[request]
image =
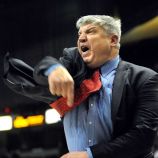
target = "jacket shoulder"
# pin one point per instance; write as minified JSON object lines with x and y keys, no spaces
{"x":137,"y":69}
{"x":137,"y":74}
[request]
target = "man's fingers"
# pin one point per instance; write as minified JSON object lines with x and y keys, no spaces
{"x":70,"y":94}
{"x":64,"y":87}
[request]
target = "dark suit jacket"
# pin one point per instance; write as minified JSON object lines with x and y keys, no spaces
{"x":134,"y":113}
{"x":134,"y":105}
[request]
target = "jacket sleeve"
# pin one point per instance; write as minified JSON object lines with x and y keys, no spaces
{"x":32,"y":83}
{"x":66,"y":60}
{"x":139,"y":139}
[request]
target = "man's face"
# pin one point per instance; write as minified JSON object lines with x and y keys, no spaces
{"x":94,"y":45}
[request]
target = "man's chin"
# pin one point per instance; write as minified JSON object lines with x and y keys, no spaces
{"x":91,"y":65}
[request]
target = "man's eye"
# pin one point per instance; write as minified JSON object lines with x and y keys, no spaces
{"x":91,"y":31}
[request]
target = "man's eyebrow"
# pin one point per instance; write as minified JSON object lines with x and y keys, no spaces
{"x":91,"y":28}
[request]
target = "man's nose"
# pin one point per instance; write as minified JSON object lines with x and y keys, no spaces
{"x":82,"y":38}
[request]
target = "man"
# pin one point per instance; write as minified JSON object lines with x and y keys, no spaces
{"x":121,"y":119}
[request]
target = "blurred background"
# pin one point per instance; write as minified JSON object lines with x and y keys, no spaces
{"x":32,"y":29}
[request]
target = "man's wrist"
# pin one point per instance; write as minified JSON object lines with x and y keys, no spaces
{"x":51,"y":68}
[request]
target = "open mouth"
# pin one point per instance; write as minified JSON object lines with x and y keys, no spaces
{"x":84,"y":49}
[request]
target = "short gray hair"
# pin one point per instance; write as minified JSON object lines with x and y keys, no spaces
{"x":109,"y":24}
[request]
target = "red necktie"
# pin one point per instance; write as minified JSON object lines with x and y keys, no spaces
{"x":87,"y":87}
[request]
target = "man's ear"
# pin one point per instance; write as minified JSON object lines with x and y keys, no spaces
{"x":114,"y":40}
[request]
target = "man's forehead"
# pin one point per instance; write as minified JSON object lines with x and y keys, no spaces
{"x":88,"y":26}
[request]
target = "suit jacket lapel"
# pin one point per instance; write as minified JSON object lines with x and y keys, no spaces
{"x":119,"y":80}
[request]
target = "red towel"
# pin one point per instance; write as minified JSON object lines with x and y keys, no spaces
{"x":87,"y":87}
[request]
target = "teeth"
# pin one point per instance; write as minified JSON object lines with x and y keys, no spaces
{"x":84,"y":49}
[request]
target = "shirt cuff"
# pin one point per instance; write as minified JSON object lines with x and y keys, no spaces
{"x":51,"y":68}
{"x":89,"y":153}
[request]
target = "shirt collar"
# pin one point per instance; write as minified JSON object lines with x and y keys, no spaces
{"x":109,"y":66}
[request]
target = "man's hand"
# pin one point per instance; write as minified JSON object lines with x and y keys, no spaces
{"x":81,"y":154}
{"x":62,"y":84}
